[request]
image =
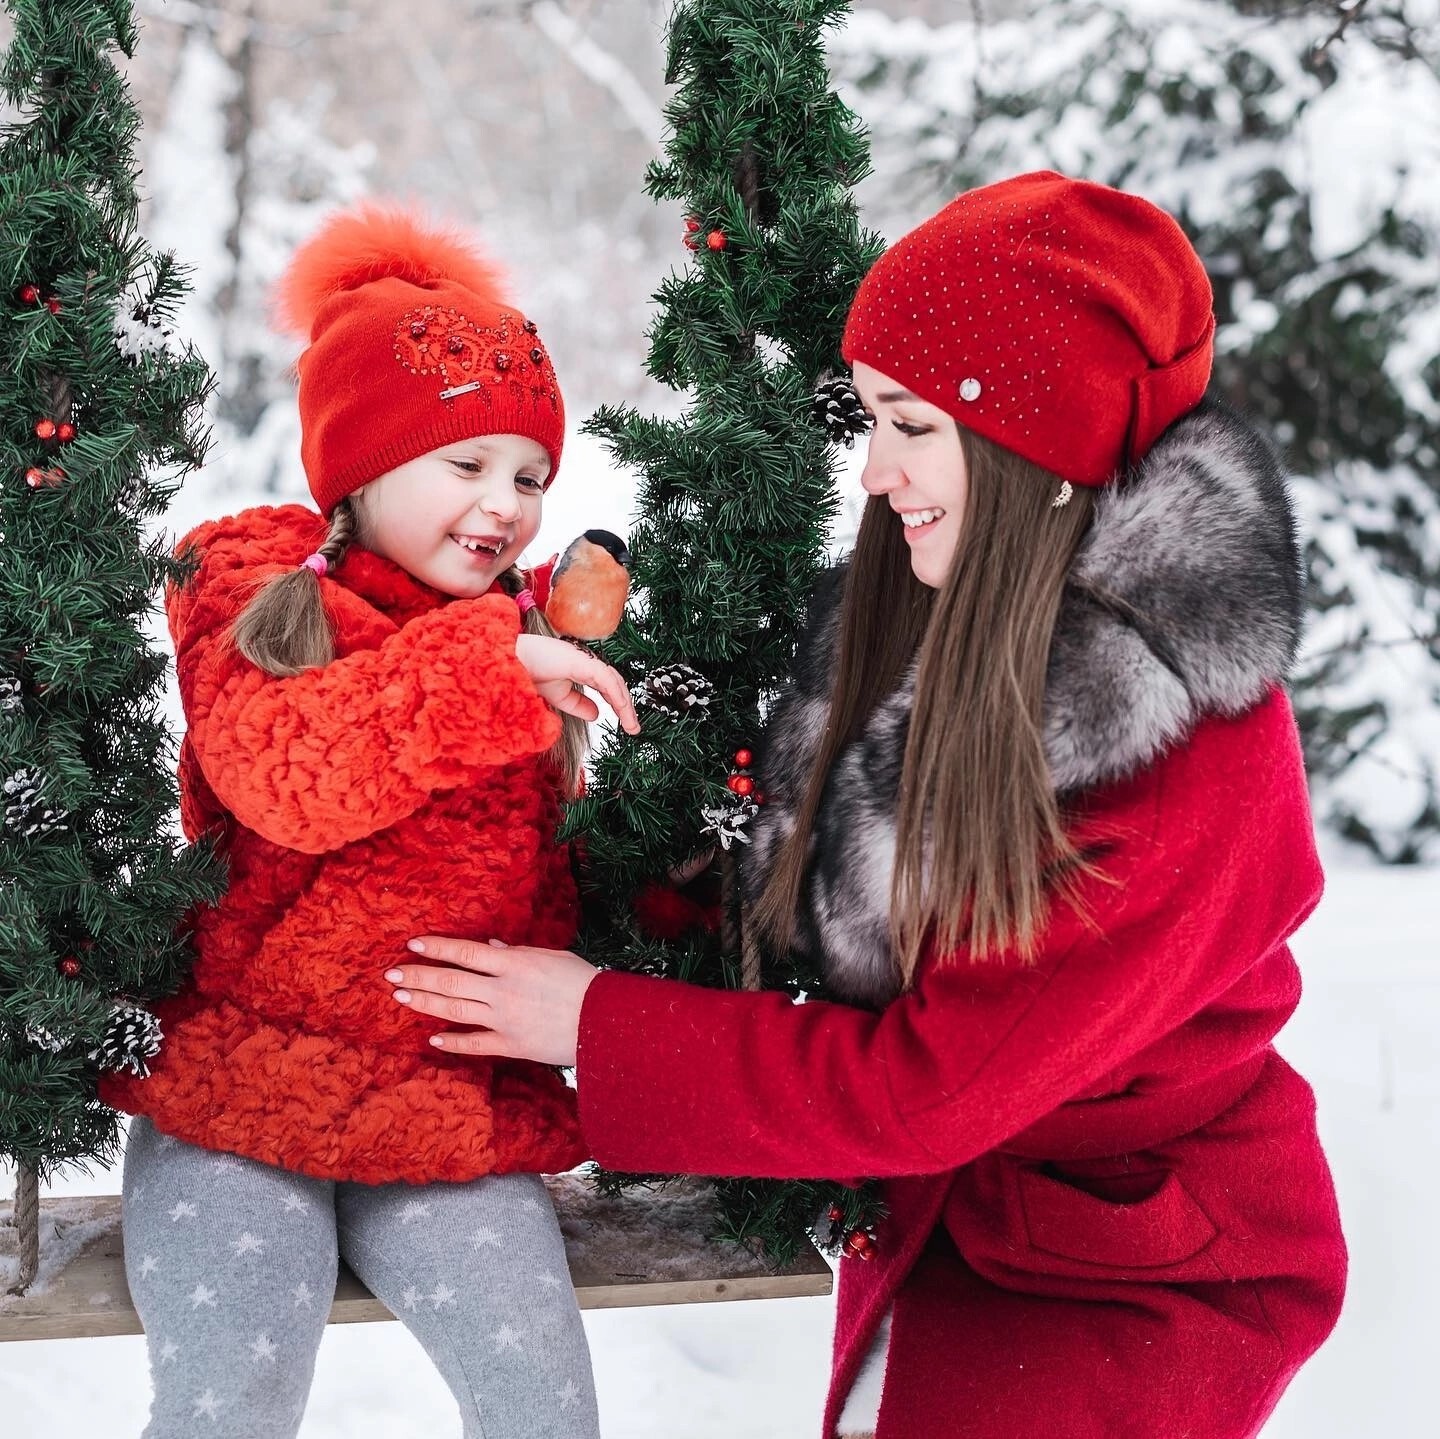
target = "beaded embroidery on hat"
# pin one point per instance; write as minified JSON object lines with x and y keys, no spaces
{"x":440,"y":340}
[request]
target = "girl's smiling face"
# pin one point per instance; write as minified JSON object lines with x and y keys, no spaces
{"x":916,"y":463}
{"x":458,"y":517}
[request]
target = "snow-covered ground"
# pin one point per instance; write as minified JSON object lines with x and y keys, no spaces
{"x":1365,"y":1035}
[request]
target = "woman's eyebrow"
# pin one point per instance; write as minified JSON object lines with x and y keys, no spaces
{"x":892,"y":397}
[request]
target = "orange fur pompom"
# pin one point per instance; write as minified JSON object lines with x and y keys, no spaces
{"x":372,"y":242}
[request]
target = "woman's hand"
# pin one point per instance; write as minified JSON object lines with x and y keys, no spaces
{"x":525,"y":1002}
{"x":557,"y":667}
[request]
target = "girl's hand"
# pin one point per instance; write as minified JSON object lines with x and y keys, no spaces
{"x":525,"y":1002}
{"x":557,"y":668}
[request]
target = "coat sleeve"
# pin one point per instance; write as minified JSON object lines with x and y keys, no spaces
{"x":329,"y":756}
{"x":1218,"y":869}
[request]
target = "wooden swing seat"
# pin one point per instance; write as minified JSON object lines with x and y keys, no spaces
{"x":87,"y":1295}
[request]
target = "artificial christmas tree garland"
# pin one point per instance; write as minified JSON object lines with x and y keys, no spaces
{"x":99,"y":418}
{"x":734,"y":502}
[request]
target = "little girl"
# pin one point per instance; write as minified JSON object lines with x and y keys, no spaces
{"x":371,"y":743}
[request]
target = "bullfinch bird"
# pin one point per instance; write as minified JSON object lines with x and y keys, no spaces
{"x":589,"y":586}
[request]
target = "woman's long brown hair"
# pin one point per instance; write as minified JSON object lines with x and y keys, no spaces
{"x":284,"y":629}
{"x":981,"y":845}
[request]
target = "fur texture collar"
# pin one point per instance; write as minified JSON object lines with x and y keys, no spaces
{"x":1185,"y":600}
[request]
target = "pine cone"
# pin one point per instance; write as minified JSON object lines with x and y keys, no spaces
{"x":11,"y":699}
{"x":26,"y":813}
{"x":836,"y":405}
{"x":675,"y":690}
{"x":133,"y":1037}
{"x":45,"y":1039}
{"x":729,"y":822}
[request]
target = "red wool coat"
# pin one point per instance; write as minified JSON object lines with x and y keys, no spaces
{"x":1110,"y":1216}
{"x":1109,"y":1212}
{"x":397,"y":790}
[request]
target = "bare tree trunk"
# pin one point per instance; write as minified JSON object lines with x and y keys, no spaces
{"x":27,"y":1227}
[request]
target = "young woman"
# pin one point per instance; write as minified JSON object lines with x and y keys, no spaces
{"x":1036,"y":801}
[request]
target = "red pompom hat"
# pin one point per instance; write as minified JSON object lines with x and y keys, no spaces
{"x":1066,"y":321}
{"x":411,"y":346}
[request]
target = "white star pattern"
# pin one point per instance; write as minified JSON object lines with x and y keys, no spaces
{"x":248,"y":1244}
{"x":416,"y":1209}
{"x":303,"y":1295}
{"x":412,"y":1298}
{"x":207,"y":1404}
{"x":294,"y":1203}
{"x":507,"y":1338}
{"x":201,"y":1295}
{"x":483,"y":1237}
{"x":262,"y":1348}
{"x":182,"y":1210}
{"x":148,"y":1265}
{"x":569,"y":1396}
{"x":531,"y":1206}
{"x":168,"y":1353}
{"x":548,"y":1280}
{"x":444,"y":1295}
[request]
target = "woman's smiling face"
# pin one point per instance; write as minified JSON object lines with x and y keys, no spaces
{"x":916,"y":464}
{"x":460,"y":516}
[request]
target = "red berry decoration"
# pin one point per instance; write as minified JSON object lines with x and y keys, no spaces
{"x":44,"y":479}
{"x":743,"y":758}
{"x":759,"y":796}
{"x":836,"y":1214}
{"x":70,"y":966}
{"x":859,"y":1245}
{"x":46,"y":429}
{"x":716,"y":240}
{"x":691,"y":224}
{"x":30,"y":294}
{"x":742,"y":784}
{"x":65,"y":432}
{"x":53,"y":304}
{"x":732,"y":782}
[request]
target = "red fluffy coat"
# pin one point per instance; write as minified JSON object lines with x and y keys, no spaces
{"x":398,"y":790}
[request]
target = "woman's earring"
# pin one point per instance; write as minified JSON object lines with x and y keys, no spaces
{"x":1067,"y":491}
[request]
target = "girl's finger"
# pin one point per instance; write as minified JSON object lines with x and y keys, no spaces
{"x":617,"y":696}
{"x":579,"y":704}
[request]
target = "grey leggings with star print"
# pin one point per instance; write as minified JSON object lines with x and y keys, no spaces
{"x":232,"y":1267}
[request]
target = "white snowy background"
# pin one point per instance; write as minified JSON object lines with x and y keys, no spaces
{"x":1365,"y":1033}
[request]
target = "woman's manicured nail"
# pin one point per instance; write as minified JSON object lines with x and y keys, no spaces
{"x":403,"y":995}
{"x":437,"y":1041}
{"x":394,"y":975}
{"x":499,"y":944}
{"x":417,"y":945}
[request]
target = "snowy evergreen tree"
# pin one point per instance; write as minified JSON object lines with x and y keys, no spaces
{"x":734,"y":501}
{"x":1300,"y":147}
{"x":99,"y":418}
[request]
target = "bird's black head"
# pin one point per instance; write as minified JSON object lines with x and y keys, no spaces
{"x":612,"y":543}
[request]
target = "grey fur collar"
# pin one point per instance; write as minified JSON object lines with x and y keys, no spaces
{"x":1185,"y":600}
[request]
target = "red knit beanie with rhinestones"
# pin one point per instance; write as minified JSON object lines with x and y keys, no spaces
{"x":411,"y":346}
{"x":1066,"y":321}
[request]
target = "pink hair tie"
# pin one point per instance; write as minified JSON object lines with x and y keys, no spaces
{"x":316,"y":562}
{"x":526,"y":600}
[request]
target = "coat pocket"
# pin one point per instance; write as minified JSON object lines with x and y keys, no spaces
{"x":1164,"y":1228}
